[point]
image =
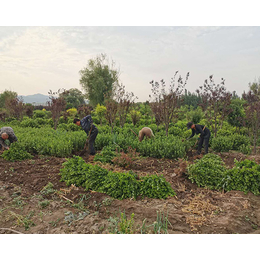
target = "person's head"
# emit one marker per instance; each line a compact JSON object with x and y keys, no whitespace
{"x":190,"y":125}
{"x":4,"y":136}
{"x":76,"y":121}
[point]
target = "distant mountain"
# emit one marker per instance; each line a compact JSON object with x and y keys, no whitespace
{"x":36,"y":98}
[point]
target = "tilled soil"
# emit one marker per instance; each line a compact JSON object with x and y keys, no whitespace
{"x":26,"y":208}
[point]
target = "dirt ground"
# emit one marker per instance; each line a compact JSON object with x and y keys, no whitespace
{"x":25,"y":207}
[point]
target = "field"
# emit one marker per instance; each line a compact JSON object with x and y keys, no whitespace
{"x":30,"y":205}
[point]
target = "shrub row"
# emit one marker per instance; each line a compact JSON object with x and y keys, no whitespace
{"x":210,"y":172}
{"x":119,"y":185}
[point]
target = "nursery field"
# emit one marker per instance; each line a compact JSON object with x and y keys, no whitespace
{"x":35,"y":201}
{"x":154,"y":187}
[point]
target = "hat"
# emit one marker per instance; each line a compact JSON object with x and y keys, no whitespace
{"x":189,"y":125}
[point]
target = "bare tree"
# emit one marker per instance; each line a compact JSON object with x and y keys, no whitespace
{"x":215,"y":102}
{"x":125,"y":100}
{"x":166,"y":103}
{"x":56,"y":106}
{"x":15,"y":107}
{"x":252,"y":110}
{"x":111,"y":112}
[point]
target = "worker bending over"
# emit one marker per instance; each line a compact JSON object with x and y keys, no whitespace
{"x":204,"y":135}
{"x":6,"y":132}
{"x":146,"y":131}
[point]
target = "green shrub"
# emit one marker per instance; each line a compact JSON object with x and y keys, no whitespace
{"x":39,"y":114}
{"x":245,"y":149}
{"x":106,"y":155}
{"x":155,"y":186}
{"x":95,"y":178}
{"x":208,"y":171}
{"x":74,"y":171}
{"x":16,"y":153}
{"x":245,"y":176}
{"x":121,"y":185}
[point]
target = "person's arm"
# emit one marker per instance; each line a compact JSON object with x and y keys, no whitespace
{"x":12,"y":138}
{"x":192,"y":134}
{"x":2,"y":142}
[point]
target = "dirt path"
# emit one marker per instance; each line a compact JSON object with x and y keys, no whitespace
{"x":27,"y":208}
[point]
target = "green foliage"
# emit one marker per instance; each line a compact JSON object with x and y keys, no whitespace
{"x":44,"y":203}
{"x":161,"y":223}
{"x":98,"y":79}
{"x":245,"y":149}
{"x":208,"y":171}
{"x":100,"y":112}
{"x":39,"y":114}
{"x":74,"y":171}
{"x":95,"y":178}
{"x":106,"y":155}
{"x":125,"y":225}
{"x":121,"y":185}
{"x":48,"y":189}
{"x":245,"y":176}
{"x":155,"y":186}
{"x":16,"y":153}
{"x":232,"y":142}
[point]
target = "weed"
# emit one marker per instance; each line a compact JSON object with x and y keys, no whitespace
{"x":23,"y":220}
{"x":44,"y":203}
{"x":48,"y":189}
{"x":161,"y":223}
{"x":55,"y":222}
{"x":71,"y":217}
{"x":107,"y":201}
{"x":18,"y":202}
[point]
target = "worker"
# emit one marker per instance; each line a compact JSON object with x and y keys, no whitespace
{"x":6,"y":133}
{"x":146,"y":131}
{"x":91,"y":130}
{"x":204,"y":135}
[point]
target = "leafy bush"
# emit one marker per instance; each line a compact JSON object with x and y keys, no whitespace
{"x":74,"y":171}
{"x":106,"y":155}
{"x":208,"y":171}
{"x":121,"y":185}
{"x":245,"y":149}
{"x":155,"y":186}
{"x":95,"y":178}
{"x":39,"y":114}
{"x":232,"y":142}
{"x":16,"y":153}
{"x":245,"y":176}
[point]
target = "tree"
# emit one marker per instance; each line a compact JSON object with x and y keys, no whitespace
{"x":15,"y":107}
{"x":191,"y":99}
{"x":56,"y":105}
{"x":7,"y":94}
{"x":124,"y":99}
{"x":237,"y":115}
{"x":215,"y":102}
{"x":111,"y":112}
{"x":252,"y":111}
{"x":73,"y":98}
{"x":167,"y":102}
{"x":99,"y":79}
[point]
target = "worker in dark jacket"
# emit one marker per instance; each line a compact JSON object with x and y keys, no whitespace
{"x":91,"y":130}
{"x":6,"y":133}
{"x":204,"y":135}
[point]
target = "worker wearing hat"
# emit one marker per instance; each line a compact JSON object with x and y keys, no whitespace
{"x":204,"y":135}
{"x":6,"y":133}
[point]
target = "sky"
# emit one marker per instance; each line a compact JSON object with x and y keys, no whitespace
{"x":35,"y":59}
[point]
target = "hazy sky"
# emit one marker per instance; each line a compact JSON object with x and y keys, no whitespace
{"x":36,"y":59}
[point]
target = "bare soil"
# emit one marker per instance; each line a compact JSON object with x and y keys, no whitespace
{"x":25,"y":208}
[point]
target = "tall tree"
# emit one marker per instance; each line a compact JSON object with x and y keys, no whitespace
{"x":99,"y":79}
{"x":73,"y":98}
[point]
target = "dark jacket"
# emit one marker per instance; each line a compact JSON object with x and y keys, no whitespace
{"x":86,"y":124}
{"x":199,"y":130}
